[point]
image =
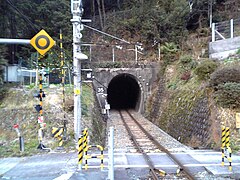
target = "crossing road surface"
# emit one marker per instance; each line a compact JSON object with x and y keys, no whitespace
{"x":59,"y":166}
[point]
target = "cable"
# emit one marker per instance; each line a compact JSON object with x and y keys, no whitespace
{"x":106,"y":34}
{"x":100,"y":83}
{"x":24,"y":17}
{"x":33,"y":26}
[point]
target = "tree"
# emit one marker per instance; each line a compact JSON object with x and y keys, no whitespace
{"x":3,"y":62}
{"x":25,"y":18}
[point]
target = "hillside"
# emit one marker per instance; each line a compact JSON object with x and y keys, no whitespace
{"x":195,"y":96}
{"x":17,"y":107}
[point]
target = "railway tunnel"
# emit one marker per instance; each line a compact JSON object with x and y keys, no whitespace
{"x":124,"y":92}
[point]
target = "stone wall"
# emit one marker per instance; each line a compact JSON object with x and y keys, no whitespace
{"x":184,"y":114}
{"x":98,"y":124}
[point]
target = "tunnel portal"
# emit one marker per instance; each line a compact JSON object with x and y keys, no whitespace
{"x":123,"y":92}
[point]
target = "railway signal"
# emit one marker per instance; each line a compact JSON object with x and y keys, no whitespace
{"x":38,"y":108}
{"x":42,"y":42}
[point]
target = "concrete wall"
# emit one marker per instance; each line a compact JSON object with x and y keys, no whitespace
{"x":223,"y":48}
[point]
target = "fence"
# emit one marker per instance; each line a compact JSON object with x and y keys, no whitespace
{"x":225,"y":29}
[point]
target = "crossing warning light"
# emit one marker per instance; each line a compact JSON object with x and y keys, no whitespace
{"x":42,"y":42}
{"x":38,"y":95}
{"x":38,"y":108}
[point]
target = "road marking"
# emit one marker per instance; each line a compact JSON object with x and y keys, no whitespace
{"x":64,"y":176}
{"x":176,"y":153}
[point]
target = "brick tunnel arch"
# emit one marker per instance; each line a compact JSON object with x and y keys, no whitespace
{"x":124,"y":92}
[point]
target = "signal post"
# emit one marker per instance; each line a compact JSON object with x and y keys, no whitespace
{"x":42,"y":42}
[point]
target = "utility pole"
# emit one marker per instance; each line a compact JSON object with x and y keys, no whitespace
{"x":77,"y":11}
{"x":210,"y":4}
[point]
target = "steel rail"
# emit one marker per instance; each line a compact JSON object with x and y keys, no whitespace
{"x":146,"y":157}
{"x":186,"y":170}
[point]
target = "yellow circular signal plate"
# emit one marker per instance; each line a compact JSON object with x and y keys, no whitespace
{"x":42,"y":42}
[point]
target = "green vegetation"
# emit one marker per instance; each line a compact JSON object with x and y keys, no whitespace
{"x":227,"y":95}
{"x":225,"y":74}
{"x":87,"y":100}
{"x":226,"y":84}
{"x":205,"y":68}
{"x":21,"y":111}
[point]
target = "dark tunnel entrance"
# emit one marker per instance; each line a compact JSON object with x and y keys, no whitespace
{"x":123,"y":92}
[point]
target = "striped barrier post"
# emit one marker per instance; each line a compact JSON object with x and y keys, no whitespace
{"x":80,"y":152}
{"x":94,"y":156}
{"x":223,"y":143}
{"x":58,"y":133}
{"x":227,"y":137}
{"x":229,"y":158}
{"x":223,"y":136}
{"x":39,"y":108}
{"x":226,"y":150}
{"x":85,"y":139}
{"x":63,"y":85}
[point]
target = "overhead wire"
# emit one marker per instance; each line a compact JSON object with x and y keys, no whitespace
{"x":24,"y":16}
{"x":33,"y":26}
{"x":36,"y":30}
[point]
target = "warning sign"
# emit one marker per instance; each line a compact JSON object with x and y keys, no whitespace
{"x":77,"y":91}
{"x":237,"y":120}
{"x":42,"y":42}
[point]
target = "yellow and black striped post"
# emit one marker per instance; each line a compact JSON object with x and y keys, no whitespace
{"x":40,"y":106}
{"x":101,"y":156}
{"x":226,"y":147}
{"x":80,"y":152}
{"x":227,"y":137}
{"x":229,"y":158}
{"x":85,"y":139}
{"x":223,"y":143}
{"x":58,"y":133}
{"x":63,"y":84}
{"x":223,"y":136}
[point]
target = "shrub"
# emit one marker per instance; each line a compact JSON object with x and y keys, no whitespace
{"x":169,"y":48}
{"x":224,"y":75}
{"x":187,"y":62}
{"x":170,"y":52}
{"x":185,"y":59}
{"x":227,"y":95}
{"x":205,"y":68}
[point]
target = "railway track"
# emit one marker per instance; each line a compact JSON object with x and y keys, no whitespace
{"x":142,"y":140}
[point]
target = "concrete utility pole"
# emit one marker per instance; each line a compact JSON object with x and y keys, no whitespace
{"x":77,"y":11}
{"x":210,"y":4}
